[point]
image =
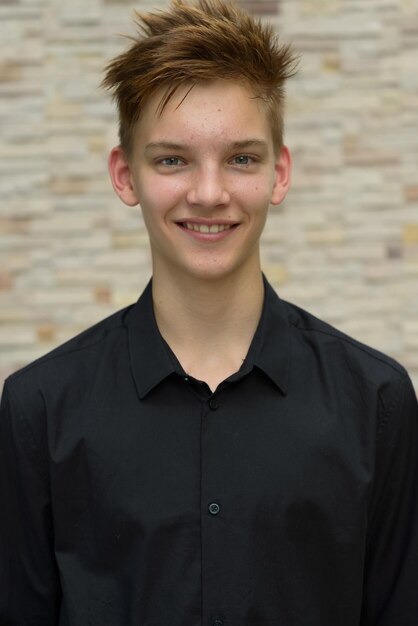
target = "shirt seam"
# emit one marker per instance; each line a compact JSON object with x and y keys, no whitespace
{"x":397,"y":368}
{"x":46,"y":358}
{"x":386,"y":414}
{"x":28,"y":434}
{"x":383,"y":419}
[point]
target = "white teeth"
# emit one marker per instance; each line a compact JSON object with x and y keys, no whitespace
{"x":204,"y":228}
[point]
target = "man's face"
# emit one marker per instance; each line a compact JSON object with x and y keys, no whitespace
{"x":204,"y":173}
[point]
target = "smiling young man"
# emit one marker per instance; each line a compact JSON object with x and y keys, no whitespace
{"x":211,"y":455}
{"x":212,"y":158}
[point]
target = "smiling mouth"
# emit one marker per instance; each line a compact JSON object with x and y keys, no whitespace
{"x":205,"y":228}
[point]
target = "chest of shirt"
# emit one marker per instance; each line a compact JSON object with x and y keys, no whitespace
{"x":301,"y":469}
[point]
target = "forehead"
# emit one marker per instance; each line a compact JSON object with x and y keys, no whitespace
{"x":202,"y":112}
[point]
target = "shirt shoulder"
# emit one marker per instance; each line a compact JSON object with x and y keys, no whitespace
{"x":70,"y":358}
{"x":343,"y":352}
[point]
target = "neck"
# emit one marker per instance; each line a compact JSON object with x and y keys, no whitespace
{"x":209,"y":324}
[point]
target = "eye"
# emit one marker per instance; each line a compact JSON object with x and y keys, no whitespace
{"x":171,"y":161}
{"x":243,"y":160}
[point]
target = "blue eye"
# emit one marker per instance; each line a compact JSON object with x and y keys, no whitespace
{"x":171,"y":161}
{"x":242,"y":159}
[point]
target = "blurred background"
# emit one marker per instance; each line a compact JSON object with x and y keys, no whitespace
{"x":345,"y":243}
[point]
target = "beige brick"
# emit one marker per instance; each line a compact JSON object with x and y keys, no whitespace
{"x":122,"y":299}
{"x":16,"y":335}
{"x":10,"y":72}
{"x":325,"y":236}
{"x":6,"y":280}
{"x":331,"y":64}
{"x":260,"y":7}
{"x":66,"y":186}
{"x":46,"y":333}
{"x":276,"y":273}
{"x":409,"y":7}
{"x":411,"y":194}
{"x":127,"y":240}
{"x":103,"y":294}
{"x":410,"y":233}
{"x":58,"y":108}
{"x":324,"y":7}
{"x":97,"y":144}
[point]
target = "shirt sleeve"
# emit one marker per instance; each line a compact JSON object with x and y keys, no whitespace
{"x":29,"y":587}
{"x":391,"y":572}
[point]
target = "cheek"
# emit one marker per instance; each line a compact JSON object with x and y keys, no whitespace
{"x":156,"y":198}
{"x":256,"y":195}
{"x":164,"y":190}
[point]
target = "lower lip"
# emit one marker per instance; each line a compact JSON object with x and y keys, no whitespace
{"x":207,"y":237}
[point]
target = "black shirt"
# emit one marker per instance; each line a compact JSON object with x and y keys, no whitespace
{"x":133,"y":496}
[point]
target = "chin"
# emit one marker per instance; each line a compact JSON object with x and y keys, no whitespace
{"x":206,"y":268}
{"x":212,"y":272}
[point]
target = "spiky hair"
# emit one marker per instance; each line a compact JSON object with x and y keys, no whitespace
{"x":190,"y":43}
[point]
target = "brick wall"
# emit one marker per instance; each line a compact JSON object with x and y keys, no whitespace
{"x":345,"y":243}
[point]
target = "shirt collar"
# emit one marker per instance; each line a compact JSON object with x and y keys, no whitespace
{"x":152,"y":360}
{"x":270,"y":348}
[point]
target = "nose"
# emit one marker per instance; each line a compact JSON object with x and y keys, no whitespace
{"x":208,"y":188}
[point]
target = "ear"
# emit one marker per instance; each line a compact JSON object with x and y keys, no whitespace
{"x":283,"y":171}
{"x":120,"y":174}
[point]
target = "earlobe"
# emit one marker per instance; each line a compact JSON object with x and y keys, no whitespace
{"x":283,"y":171}
{"x":121,"y":177}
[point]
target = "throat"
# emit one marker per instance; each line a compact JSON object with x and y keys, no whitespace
{"x":213,"y":374}
{"x":209,"y":326}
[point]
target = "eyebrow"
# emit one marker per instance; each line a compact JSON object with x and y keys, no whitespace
{"x":165,"y":145}
{"x":249,"y":143}
{"x":235,"y":145}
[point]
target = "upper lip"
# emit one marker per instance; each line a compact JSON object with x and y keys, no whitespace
{"x":205,"y":221}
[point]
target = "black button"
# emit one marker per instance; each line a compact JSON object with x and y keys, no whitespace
{"x":214,"y":508}
{"x":213,"y":404}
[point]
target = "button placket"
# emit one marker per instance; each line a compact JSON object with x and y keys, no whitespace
{"x":212,"y":511}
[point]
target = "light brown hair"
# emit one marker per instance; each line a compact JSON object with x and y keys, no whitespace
{"x":188,"y":43}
